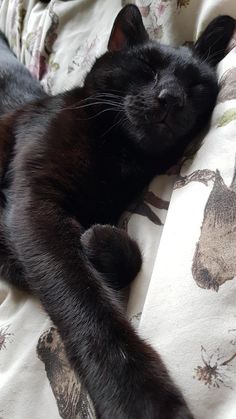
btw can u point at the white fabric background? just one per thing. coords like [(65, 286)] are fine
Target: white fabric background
[(182, 321)]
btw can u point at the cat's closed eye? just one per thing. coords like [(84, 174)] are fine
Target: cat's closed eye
[(156, 77), (148, 66), (194, 84), (197, 83)]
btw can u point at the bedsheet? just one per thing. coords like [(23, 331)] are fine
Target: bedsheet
[(183, 300)]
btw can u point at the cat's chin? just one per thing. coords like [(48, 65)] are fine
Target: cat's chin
[(155, 140), (163, 129), (160, 137)]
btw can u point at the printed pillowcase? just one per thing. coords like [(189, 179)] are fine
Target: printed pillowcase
[(189, 314), (39, 33)]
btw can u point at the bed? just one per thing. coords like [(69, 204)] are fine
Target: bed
[(183, 300)]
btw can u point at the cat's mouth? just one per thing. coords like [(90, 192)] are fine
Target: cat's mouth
[(163, 125), (160, 128), (152, 121), (151, 126)]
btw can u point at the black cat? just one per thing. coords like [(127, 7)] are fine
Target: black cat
[(70, 164)]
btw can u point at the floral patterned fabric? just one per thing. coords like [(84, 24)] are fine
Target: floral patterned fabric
[(183, 301)]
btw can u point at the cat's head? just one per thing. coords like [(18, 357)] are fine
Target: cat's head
[(163, 93)]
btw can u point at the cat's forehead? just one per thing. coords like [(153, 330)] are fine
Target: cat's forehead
[(165, 55)]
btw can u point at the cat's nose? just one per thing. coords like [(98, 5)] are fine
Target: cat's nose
[(171, 98)]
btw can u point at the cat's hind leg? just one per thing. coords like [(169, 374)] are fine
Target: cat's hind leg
[(17, 85), (113, 254)]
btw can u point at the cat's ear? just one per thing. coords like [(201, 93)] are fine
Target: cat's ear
[(212, 43), (128, 29)]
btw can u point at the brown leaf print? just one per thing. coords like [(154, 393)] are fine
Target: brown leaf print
[(146, 211), (214, 260), (227, 86), (216, 370), (5, 337), (156, 201), (182, 3), (142, 207), (72, 399)]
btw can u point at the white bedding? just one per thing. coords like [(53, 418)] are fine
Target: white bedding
[(194, 328)]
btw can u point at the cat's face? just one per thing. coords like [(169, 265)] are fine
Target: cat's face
[(164, 94)]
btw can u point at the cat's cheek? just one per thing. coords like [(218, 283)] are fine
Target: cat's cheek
[(202, 98), (182, 122), (197, 92), (158, 139)]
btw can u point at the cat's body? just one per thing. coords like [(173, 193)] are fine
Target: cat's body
[(75, 160)]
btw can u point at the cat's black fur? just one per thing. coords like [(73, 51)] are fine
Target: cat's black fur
[(77, 159)]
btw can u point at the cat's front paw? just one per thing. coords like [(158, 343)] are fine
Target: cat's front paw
[(113, 253)]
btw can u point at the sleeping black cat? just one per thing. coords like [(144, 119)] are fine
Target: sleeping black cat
[(69, 165)]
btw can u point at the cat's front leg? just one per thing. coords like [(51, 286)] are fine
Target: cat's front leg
[(125, 377)]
